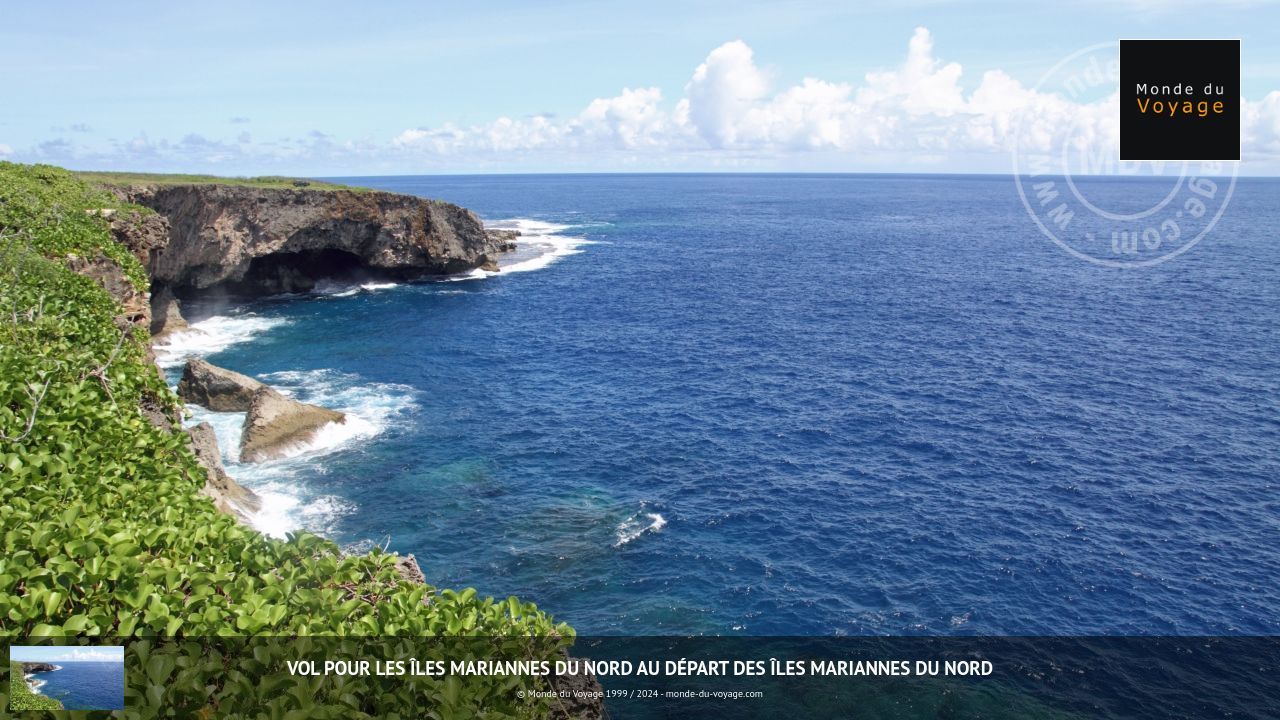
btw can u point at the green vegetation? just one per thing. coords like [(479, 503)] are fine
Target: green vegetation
[(266, 181), (104, 532), (42, 207), (21, 697)]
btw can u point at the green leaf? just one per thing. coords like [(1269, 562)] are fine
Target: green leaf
[(75, 623)]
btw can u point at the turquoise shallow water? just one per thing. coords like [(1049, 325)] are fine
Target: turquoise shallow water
[(800, 405)]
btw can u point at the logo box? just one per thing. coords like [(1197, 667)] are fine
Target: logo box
[(1180, 100)]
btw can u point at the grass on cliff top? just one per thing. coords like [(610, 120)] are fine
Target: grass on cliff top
[(276, 182), (104, 531)]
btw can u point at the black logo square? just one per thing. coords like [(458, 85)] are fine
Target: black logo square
[(1179, 99)]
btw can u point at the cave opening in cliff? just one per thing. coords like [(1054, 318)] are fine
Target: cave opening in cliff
[(303, 271)]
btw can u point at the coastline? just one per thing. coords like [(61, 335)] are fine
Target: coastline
[(34, 683), (24, 687), (370, 408), (84, 293)]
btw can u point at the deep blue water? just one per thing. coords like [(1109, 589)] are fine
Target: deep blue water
[(85, 685), (860, 405)]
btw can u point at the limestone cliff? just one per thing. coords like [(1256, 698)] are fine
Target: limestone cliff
[(252, 241), (144, 236)]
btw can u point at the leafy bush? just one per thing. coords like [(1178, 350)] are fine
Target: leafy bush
[(21, 697), (103, 530), (47, 208)]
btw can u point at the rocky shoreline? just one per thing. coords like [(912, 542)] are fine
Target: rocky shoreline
[(245, 242), (31, 668), (242, 242)]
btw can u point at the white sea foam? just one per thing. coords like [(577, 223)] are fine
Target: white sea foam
[(637, 525), (339, 289), (540, 244), (286, 503), (210, 336), (284, 511)]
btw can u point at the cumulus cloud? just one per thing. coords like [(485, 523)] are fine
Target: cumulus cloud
[(728, 113), (723, 91), (729, 106), (921, 85), (93, 655), (5, 150), (1261, 123), (630, 120)]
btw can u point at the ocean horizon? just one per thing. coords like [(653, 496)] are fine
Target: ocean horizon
[(793, 404)]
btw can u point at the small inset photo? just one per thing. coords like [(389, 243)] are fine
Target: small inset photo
[(66, 678)]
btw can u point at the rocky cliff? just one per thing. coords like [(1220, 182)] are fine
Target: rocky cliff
[(251, 241)]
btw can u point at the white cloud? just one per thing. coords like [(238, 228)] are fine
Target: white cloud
[(92, 655), (729, 115), (5, 150), (918, 107), (723, 92), (1261, 123), (630, 120), (919, 85)]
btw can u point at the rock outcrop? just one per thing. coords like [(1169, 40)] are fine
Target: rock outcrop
[(35, 667), (166, 314), (103, 270), (228, 496), (579, 697), (216, 388), (274, 423), (407, 567), (248, 241), (144, 234)]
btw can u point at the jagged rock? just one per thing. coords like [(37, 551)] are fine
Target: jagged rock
[(35, 667), (407, 566), (216, 388), (228, 496), (503, 240), (275, 422), (579, 697), (144, 234), (166, 315), (103, 270), (159, 412), (250, 241)]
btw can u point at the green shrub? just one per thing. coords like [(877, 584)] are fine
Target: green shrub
[(56, 214), (21, 697), (103, 530)]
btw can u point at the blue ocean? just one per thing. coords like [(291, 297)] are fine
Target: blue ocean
[(796, 405), (84, 685)]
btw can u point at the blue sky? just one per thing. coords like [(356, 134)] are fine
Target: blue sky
[(328, 88), (19, 653)]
